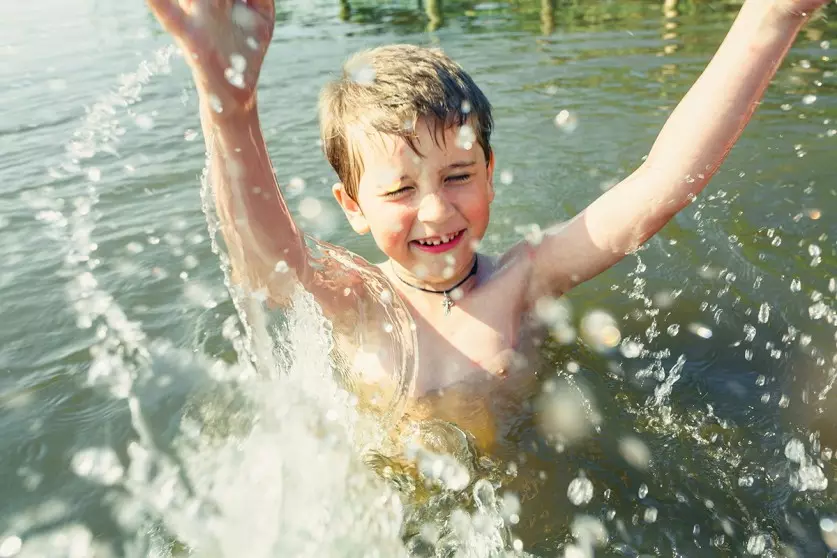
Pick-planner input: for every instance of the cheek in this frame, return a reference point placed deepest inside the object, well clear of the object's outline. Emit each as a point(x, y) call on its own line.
point(391, 225)
point(474, 204)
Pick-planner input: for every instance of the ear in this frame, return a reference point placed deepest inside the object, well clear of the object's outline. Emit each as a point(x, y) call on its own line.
point(490, 174)
point(351, 208)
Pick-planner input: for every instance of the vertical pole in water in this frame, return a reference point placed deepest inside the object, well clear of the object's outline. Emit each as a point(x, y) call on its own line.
point(547, 16)
point(433, 9)
point(345, 10)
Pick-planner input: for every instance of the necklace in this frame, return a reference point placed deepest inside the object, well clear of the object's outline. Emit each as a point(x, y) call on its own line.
point(447, 301)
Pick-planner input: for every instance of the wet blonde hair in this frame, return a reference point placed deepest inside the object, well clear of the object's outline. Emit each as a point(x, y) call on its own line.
point(387, 90)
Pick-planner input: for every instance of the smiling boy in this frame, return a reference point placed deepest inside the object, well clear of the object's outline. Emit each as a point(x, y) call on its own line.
point(408, 134)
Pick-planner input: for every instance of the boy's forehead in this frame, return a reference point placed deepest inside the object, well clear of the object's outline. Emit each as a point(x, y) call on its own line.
point(389, 149)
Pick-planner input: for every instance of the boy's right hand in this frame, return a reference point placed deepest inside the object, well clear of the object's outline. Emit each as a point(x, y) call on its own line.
point(224, 42)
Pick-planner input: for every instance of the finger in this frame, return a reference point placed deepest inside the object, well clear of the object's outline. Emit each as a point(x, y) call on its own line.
point(170, 15)
point(265, 8)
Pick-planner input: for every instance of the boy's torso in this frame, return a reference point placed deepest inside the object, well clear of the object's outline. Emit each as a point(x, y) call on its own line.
point(487, 345)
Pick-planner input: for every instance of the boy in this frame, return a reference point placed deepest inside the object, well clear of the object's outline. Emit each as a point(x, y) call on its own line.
point(408, 133)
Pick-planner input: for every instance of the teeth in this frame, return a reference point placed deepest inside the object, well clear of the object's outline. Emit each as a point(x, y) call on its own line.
point(444, 239)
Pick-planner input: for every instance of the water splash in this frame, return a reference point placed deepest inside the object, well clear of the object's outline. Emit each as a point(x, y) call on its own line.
point(293, 420)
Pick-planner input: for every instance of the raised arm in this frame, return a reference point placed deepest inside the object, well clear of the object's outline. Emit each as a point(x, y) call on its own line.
point(224, 43)
point(688, 151)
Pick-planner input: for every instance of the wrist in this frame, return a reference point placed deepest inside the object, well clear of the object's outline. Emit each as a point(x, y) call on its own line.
point(767, 23)
point(230, 116)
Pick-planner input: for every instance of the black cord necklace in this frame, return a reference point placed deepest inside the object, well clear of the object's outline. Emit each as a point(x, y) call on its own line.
point(447, 301)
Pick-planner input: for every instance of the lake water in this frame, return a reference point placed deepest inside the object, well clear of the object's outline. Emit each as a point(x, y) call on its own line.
point(130, 427)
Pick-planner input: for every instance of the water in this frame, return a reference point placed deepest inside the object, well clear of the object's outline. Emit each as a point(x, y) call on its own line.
point(700, 417)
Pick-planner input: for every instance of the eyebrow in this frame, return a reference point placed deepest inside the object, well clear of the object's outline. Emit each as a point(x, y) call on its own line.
point(452, 166)
point(460, 165)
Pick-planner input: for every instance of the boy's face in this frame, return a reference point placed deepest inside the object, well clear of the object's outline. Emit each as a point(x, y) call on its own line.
point(426, 212)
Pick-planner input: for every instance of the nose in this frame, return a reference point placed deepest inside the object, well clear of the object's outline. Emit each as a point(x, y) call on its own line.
point(434, 208)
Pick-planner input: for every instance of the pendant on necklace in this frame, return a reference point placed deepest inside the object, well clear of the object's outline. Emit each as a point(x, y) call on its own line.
point(447, 303)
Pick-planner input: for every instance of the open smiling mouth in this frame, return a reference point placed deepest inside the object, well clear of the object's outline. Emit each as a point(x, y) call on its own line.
point(439, 244)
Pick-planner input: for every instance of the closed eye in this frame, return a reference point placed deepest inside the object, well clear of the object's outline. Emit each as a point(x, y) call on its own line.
point(459, 178)
point(398, 192)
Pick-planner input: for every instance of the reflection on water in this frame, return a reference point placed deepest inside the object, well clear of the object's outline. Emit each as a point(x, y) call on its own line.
point(686, 405)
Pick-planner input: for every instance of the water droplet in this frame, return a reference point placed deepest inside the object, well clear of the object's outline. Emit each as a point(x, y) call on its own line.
point(466, 107)
point(825, 45)
point(362, 74)
point(296, 186)
point(764, 313)
point(566, 413)
point(746, 481)
point(795, 451)
point(252, 43)
point(310, 208)
point(650, 515)
point(466, 137)
point(238, 63)
point(786, 107)
point(10, 547)
point(200, 295)
point(444, 469)
point(506, 177)
point(510, 506)
point(580, 491)
point(631, 349)
point(809, 99)
point(97, 464)
point(566, 121)
point(234, 78)
point(817, 311)
point(190, 135)
point(215, 103)
point(144, 122)
point(796, 285)
point(281, 267)
point(635, 452)
point(673, 329)
point(756, 544)
point(664, 299)
point(700, 330)
point(643, 491)
point(600, 330)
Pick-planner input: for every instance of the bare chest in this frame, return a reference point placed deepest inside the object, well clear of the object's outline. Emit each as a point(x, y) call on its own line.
point(478, 341)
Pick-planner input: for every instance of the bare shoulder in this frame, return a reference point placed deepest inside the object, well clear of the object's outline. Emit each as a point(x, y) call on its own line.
point(507, 274)
point(520, 270)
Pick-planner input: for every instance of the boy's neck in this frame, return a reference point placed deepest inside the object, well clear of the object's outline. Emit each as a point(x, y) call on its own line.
point(464, 281)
